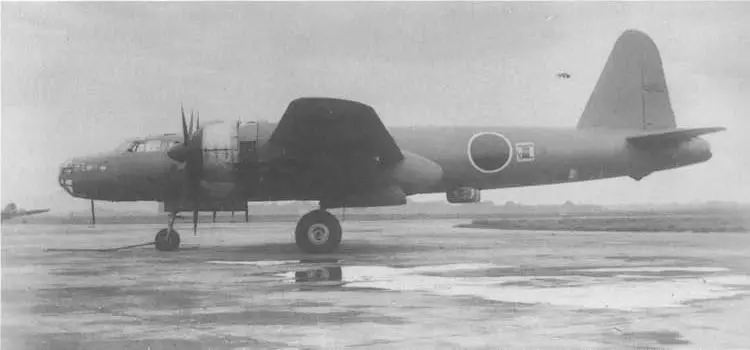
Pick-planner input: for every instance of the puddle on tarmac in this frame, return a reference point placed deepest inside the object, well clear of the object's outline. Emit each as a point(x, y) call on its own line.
point(739, 280)
point(571, 291)
point(456, 267)
point(624, 289)
point(254, 263)
point(265, 263)
point(655, 269)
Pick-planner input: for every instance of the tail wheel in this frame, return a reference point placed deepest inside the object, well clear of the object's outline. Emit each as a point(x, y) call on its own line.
point(167, 241)
point(318, 232)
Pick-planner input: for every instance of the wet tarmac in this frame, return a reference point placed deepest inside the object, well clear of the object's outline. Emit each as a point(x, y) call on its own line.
point(393, 285)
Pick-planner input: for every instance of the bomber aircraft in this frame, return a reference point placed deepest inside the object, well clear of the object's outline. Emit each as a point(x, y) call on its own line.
point(11, 211)
point(339, 153)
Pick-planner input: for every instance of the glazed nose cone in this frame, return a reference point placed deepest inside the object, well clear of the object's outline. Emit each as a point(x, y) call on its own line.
point(65, 176)
point(80, 177)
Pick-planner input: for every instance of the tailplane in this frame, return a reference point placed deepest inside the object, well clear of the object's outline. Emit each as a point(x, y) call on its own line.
point(631, 92)
point(660, 139)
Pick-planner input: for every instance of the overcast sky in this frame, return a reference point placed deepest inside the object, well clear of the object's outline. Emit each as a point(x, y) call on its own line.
point(78, 78)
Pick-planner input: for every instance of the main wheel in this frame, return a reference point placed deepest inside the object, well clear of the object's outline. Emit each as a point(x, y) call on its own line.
point(167, 241)
point(318, 232)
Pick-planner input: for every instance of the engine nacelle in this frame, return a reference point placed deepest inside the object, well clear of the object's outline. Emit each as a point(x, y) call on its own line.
point(464, 195)
point(381, 197)
point(416, 174)
point(220, 151)
point(225, 145)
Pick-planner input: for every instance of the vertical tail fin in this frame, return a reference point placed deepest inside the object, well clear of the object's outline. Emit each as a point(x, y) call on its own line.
point(10, 208)
point(631, 92)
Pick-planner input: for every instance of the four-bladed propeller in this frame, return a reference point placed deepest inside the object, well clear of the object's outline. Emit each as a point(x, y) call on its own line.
point(190, 153)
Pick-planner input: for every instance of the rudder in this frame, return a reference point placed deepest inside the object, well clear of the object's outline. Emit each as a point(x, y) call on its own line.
point(631, 92)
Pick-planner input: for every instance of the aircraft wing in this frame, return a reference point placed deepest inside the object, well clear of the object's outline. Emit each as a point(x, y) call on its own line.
point(334, 127)
point(658, 138)
point(8, 216)
point(34, 211)
point(330, 148)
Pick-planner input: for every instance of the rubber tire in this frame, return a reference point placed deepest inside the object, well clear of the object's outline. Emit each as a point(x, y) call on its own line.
point(167, 243)
point(318, 217)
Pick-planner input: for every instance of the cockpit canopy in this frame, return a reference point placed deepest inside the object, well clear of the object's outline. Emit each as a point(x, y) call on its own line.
point(145, 145)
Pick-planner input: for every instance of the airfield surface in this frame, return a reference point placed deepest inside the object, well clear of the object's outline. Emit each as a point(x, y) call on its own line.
point(393, 285)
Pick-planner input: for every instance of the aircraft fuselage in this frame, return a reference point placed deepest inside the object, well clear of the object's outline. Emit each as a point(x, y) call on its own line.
point(475, 157)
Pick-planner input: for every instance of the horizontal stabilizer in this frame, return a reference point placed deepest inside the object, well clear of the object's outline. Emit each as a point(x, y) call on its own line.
point(659, 138)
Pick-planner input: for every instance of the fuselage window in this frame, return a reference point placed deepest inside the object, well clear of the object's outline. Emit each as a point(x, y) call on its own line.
point(152, 146)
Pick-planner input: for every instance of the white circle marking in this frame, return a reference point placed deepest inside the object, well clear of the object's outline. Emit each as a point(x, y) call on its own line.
point(507, 161)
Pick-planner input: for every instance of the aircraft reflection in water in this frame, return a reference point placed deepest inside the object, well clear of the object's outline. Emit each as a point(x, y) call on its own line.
point(339, 153)
point(11, 211)
point(325, 273)
point(319, 276)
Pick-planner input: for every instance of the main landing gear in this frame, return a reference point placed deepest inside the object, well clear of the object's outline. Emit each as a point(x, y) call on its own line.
point(168, 239)
point(318, 232)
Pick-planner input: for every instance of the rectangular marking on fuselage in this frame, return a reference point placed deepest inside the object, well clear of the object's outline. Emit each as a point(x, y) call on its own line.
point(525, 152)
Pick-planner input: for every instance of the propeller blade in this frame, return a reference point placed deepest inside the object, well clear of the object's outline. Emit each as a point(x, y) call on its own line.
point(190, 153)
point(185, 135)
point(194, 167)
point(190, 129)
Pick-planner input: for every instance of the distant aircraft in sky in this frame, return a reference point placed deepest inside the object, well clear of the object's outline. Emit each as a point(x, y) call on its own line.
point(11, 211)
point(563, 75)
point(339, 153)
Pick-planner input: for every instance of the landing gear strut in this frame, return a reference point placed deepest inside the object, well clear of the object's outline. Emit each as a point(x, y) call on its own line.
point(318, 232)
point(168, 239)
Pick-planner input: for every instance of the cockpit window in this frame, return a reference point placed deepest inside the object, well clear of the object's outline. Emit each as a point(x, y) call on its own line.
point(146, 146)
point(136, 147)
point(124, 147)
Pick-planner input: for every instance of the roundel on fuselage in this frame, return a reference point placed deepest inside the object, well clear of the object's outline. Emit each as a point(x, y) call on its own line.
point(489, 152)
